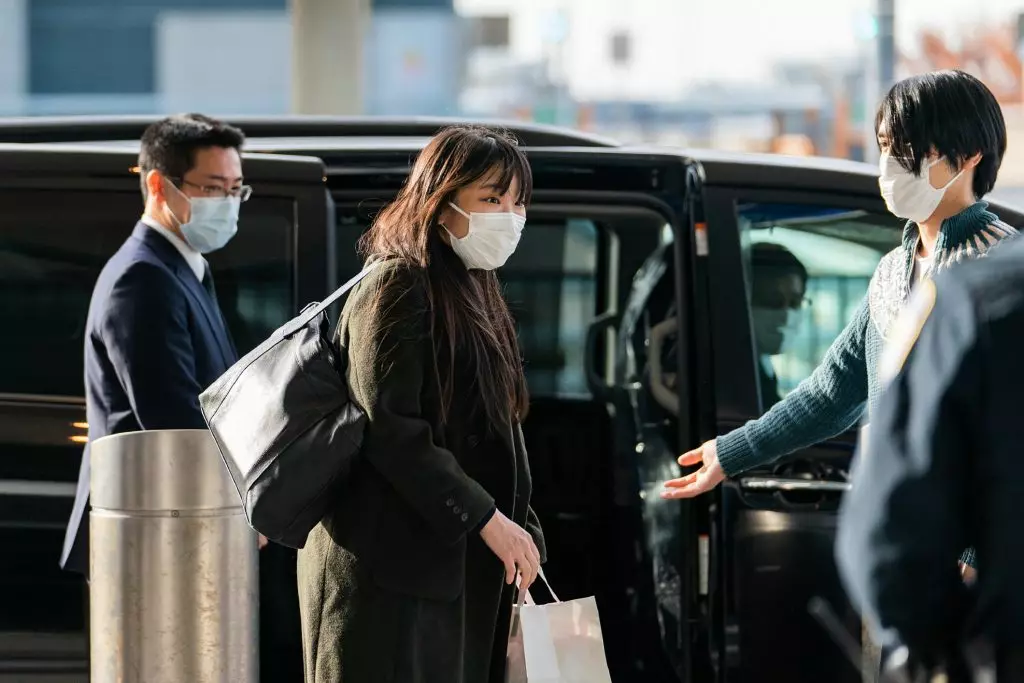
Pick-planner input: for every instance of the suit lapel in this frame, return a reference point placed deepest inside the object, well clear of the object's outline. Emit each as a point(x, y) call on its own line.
point(173, 259)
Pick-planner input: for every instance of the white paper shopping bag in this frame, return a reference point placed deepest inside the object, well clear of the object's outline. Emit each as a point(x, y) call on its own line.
point(515, 661)
point(562, 642)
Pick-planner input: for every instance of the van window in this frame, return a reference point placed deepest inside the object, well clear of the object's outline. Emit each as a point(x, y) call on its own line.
point(551, 287)
point(550, 283)
point(807, 269)
point(53, 246)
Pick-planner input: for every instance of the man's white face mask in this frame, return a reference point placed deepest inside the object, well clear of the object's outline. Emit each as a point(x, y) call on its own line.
point(907, 195)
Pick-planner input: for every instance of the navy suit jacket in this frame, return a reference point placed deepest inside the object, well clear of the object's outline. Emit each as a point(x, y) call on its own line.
point(154, 339)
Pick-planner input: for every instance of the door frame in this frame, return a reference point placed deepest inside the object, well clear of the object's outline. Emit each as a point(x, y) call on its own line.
point(735, 374)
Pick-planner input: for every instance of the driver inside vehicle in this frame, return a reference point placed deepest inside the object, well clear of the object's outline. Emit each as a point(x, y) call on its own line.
point(779, 283)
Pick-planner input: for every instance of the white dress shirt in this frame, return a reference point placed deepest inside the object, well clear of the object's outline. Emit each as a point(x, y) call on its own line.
point(193, 258)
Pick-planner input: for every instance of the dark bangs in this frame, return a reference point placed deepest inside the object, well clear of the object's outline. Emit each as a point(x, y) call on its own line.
point(498, 151)
point(950, 112)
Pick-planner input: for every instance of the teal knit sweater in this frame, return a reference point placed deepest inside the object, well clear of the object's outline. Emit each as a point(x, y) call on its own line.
point(835, 396)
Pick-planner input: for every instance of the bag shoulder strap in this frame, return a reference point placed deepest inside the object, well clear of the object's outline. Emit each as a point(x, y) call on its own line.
point(318, 308)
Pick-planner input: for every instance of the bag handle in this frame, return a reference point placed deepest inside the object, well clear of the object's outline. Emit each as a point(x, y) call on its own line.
point(522, 594)
point(540, 574)
point(340, 292)
point(313, 309)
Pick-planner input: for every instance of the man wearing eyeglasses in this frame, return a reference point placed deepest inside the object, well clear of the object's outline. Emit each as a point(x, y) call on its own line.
point(779, 282)
point(155, 336)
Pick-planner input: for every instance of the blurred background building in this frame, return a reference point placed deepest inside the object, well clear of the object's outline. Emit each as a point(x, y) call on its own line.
point(792, 76)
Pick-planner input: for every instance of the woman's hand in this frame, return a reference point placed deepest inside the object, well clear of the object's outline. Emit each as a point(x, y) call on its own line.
point(703, 480)
point(968, 573)
point(515, 548)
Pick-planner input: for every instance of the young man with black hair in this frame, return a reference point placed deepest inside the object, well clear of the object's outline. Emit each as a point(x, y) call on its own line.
point(942, 138)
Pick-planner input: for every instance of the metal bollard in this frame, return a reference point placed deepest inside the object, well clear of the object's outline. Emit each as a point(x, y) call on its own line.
point(173, 565)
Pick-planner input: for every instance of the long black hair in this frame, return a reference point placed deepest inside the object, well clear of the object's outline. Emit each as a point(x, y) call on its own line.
point(470, 319)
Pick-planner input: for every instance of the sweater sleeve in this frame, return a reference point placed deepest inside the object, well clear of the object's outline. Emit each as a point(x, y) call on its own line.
point(825, 404)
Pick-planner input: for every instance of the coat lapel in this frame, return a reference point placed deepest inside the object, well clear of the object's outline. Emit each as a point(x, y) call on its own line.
point(173, 259)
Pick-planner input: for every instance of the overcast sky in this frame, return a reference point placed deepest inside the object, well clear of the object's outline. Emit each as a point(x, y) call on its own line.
point(759, 32)
point(739, 39)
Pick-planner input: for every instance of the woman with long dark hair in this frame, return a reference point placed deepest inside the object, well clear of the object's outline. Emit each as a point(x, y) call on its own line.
point(411, 577)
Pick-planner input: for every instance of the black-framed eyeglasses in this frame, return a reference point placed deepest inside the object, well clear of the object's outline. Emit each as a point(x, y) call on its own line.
point(242, 192)
point(774, 300)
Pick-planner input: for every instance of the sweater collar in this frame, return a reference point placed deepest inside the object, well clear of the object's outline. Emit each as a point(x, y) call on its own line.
point(955, 230)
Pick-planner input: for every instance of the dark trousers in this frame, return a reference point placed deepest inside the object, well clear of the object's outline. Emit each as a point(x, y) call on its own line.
point(280, 628)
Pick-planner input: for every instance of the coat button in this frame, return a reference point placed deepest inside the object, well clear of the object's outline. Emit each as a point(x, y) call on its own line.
point(456, 509)
point(464, 517)
point(450, 502)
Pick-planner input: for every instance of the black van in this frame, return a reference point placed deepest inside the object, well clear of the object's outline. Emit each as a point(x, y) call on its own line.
point(632, 288)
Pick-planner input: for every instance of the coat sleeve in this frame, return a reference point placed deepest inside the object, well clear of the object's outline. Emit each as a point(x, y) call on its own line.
point(386, 346)
point(533, 526)
point(906, 517)
point(145, 331)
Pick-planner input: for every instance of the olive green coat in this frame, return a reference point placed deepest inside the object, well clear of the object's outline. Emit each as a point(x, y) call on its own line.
point(395, 585)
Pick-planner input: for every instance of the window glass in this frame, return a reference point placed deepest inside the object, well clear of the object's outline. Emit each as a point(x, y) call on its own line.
point(255, 272)
point(551, 287)
point(53, 246)
point(807, 269)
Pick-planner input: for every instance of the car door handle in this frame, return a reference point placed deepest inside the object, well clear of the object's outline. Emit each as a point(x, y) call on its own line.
point(787, 484)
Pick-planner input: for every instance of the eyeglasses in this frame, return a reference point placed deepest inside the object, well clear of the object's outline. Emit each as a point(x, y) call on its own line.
point(770, 299)
point(242, 192)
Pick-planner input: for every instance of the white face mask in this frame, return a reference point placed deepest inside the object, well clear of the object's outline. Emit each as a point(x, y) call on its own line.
point(491, 239)
point(212, 221)
point(773, 326)
point(907, 195)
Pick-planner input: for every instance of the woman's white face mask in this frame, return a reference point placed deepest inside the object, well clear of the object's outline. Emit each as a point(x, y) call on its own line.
point(907, 195)
point(491, 239)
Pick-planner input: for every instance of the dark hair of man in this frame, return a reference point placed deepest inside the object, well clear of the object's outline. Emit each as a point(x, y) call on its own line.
point(769, 261)
point(170, 145)
point(950, 112)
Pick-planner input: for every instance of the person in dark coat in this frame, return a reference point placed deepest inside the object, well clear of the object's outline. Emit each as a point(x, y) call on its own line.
point(411, 577)
point(940, 470)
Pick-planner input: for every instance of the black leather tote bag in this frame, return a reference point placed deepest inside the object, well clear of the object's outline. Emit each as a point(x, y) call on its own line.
point(285, 425)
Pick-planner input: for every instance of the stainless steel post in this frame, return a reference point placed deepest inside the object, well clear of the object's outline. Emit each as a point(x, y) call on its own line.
point(173, 564)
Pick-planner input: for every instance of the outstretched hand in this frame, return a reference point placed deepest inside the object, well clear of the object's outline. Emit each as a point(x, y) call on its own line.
point(703, 480)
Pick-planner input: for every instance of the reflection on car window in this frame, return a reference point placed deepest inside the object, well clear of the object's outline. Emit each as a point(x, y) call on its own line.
point(807, 269)
point(53, 246)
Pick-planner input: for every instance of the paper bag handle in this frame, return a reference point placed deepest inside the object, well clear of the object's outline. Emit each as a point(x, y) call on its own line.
point(544, 579)
point(551, 590)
